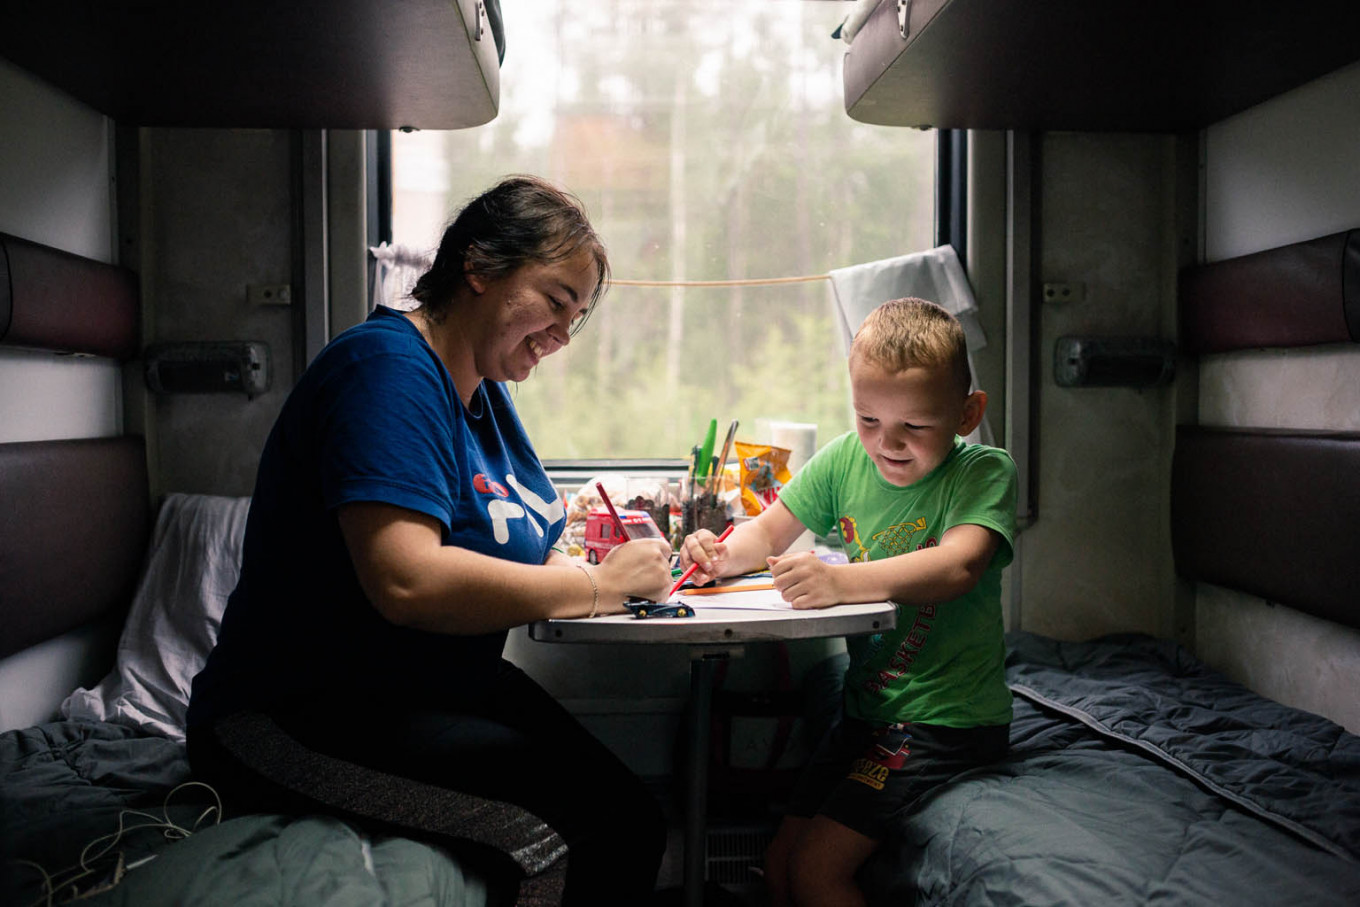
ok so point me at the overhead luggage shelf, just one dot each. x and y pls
(340, 64)
(1150, 66)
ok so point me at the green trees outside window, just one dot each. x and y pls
(709, 141)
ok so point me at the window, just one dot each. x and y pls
(709, 141)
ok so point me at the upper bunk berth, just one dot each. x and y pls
(1154, 66)
(304, 64)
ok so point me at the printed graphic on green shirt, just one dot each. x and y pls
(906, 654)
(892, 541)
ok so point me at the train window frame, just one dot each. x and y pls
(949, 213)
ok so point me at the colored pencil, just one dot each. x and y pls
(618, 523)
(684, 577)
(727, 445)
(714, 590)
(720, 460)
(706, 451)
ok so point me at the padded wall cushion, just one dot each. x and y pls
(1297, 295)
(73, 533)
(1272, 513)
(53, 300)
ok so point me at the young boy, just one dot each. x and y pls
(928, 522)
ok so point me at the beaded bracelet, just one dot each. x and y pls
(594, 591)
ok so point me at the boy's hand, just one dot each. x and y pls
(804, 580)
(703, 548)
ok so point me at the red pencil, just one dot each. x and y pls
(618, 523)
(695, 566)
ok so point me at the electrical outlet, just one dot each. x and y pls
(269, 294)
(1061, 293)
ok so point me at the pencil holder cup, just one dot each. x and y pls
(703, 505)
(650, 495)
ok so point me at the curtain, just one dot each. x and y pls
(396, 269)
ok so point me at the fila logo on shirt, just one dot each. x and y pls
(486, 486)
(501, 510)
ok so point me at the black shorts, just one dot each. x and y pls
(865, 775)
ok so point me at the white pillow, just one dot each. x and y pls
(191, 568)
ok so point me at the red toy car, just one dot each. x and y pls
(602, 536)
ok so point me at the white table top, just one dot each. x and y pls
(722, 625)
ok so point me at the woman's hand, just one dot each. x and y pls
(703, 548)
(804, 580)
(641, 567)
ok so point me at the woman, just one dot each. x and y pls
(402, 523)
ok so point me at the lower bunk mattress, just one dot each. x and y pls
(1137, 775)
(103, 814)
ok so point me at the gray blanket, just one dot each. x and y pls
(1137, 775)
(98, 809)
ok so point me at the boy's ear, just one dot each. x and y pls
(973, 408)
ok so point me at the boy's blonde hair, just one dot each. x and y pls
(914, 333)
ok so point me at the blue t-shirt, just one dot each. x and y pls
(376, 417)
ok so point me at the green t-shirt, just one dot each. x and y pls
(944, 663)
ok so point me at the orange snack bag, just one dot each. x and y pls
(764, 471)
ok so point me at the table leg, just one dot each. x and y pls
(696, 800)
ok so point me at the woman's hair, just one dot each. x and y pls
(521, 220)
(914, 333)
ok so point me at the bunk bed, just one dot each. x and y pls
(1137, 774)
(101, 803)
(1155, 66)
(308, 64)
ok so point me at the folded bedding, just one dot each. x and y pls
(1136, 775)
